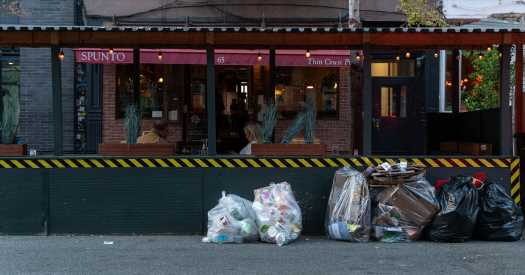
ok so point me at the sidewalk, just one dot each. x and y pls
(187, 255)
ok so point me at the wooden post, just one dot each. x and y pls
(518, 93)
(505, 115)
(56, 84)
(270, 92)
(210, 101)
(136, 78)
(367, 103)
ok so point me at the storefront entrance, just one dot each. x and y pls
(393, 116)
(233, 84)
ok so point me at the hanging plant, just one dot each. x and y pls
(132, 124)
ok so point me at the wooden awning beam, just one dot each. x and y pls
(252, 39)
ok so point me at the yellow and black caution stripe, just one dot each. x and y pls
(515, 183)
(296, 162)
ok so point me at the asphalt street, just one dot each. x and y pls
(187, 255)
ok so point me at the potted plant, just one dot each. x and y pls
(305, 120)
(9, 124)
(131, 148)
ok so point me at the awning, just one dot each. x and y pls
(318, 58)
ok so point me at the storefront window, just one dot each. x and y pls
(293, 84)
(9, 75)
(388, 68)
(160, 91)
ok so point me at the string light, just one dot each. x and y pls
(481, 56)
(436, 55)
(160, 80)
(408, 55)
(259, 57)
(398, 58)
(159, 56)
(489, 49)
(110, 50)
(358, 57)
(307, 54)
(61, 55)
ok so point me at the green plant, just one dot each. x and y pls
(420, 13)
(304, 120)
(483, 91)
(10, 115)
(269, 121)
(132, 124)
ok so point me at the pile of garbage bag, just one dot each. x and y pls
(499, 218)
(348, 211)
(459, 203)
(404, 210)
(231, 221)
(277, 213)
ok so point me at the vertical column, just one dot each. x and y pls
(505, 115)
(56, 84)
(136, 77)
(367, 102)
(518, 93)
(270, 92)
(456, 78)
(210, 101)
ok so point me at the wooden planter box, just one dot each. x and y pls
(288, 149)
(13, 150)
(116, 149)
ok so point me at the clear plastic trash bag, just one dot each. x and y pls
(232, 220)
(404, 210)
(348, 210)
(278, 215)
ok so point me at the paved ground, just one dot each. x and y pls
(187, 255)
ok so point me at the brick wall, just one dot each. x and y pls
(336, 134)
(36, 114)
(112, 128)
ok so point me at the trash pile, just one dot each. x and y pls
(348, 211)
(231, 221)
(387, 203)
(278, 214)
(273, 217)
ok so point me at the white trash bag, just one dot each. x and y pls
(278, 215)
(231, 221)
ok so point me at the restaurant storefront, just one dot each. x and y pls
(173, 88)
(115, 194)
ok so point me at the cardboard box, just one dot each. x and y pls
(475, 149)
(448, 147)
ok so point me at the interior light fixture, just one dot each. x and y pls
(61, 55)
(10, 63)
(307, 54)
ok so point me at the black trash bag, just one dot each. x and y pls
(500, 219)
(459, 203)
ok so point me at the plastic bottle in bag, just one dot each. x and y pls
(348, 210)
(278, 215)
(232, 220)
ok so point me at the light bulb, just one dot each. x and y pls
(159, 56)
(110, 50)
(307, 54)
(61, 55)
